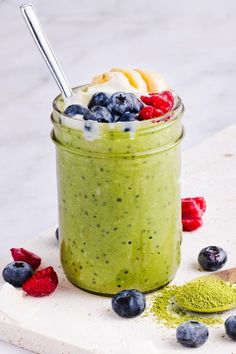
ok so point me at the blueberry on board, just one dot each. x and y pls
(192, 334)
(57, 234)
(137, 104)
(128, 117)
(16, 273)
(129, 303)
(74, 109)
(99, 114)
(99, 99)
(121, 102)
(230, 327)
(212, 258)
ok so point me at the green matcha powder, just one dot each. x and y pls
(201, 294)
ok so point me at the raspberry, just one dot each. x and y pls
(168, 95)
(201, 203)
(199, 200)
(146, 113)
(161, 102)
(191, 224)
(147, 100)
(20, 254)
(190, 209)
(149, 112)
(42, 283)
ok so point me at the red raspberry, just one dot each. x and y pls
(168, 95)
(190, 209)
(42, 283)
(201, 202)
(146, 113)
(147, 100)
(191, 224)
(149, 112)
(161, 102)
(20, 254)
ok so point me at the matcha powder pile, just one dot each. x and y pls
(213, 293)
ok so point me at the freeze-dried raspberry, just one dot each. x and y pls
(20, 254)
(191, 224)
(42, 283)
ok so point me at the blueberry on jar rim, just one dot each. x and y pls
(121, 102)
(99, 99)
(74, 109)
(99, 114)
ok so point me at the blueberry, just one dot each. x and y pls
(121, 102)
(212, 258)
(128, 117)
(99, 99)
(16, 273)
(192, 334)
(230, 327)
(129, 303)
(57, 234)
(99, 114)
(74, 109)
(137, 104)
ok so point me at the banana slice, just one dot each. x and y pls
(155, 81)
(134, 78)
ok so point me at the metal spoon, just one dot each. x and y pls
(228, 275)
(45, 49)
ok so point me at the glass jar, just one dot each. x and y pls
(119, 200)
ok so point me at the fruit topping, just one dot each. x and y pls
(16, 273)
(21, 254)
(212, 258)
(99, 114)
(99, 99)
(128, 117)
(129, 303)
(42, 283)
(121, 102)
(74, 109)
(163, 102)
(192, 334)
(149, 112)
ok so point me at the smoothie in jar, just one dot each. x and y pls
(119, 183)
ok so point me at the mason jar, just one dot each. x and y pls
(119, 200)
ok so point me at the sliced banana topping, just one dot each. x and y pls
(155, 81)
(134, 78)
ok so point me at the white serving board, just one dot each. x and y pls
(71, 321)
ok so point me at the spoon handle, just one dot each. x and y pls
(45, 49)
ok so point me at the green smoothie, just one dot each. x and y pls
(119, 203)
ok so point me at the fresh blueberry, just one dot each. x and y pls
(99, 114)
(99, 99)
(212, 258)
(137, 104)
(121, 102)
(129, 303)
(16, 273)
(128, 117)
(74, 109)
(230, 327)
(192, 334)
(57, 234)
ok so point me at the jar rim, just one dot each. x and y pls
(165, 118)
